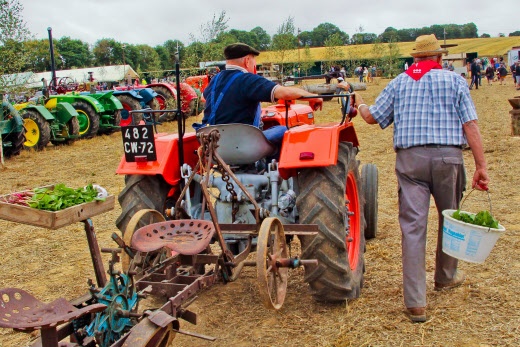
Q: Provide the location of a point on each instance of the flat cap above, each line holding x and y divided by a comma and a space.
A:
239, 50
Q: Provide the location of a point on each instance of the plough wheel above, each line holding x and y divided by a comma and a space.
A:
141, 261
147, 334
272, 280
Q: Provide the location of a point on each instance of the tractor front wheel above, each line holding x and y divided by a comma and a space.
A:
38, 130
369, 176
331, 197
88, 119
130, 104
70, 132
141, 192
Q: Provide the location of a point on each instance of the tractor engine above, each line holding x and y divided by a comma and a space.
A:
275, 196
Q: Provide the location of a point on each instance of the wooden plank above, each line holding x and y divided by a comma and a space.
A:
54, 219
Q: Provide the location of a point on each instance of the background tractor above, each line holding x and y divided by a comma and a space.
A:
47, 120
11, 129
96, 112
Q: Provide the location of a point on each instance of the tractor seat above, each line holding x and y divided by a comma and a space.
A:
183, 236
241, 144
21, 311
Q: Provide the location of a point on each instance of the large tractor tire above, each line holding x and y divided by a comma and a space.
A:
38, 130
130, 104
331, 197
369, 177
17, 140
88, 119
166, 102
72, 129
141, 192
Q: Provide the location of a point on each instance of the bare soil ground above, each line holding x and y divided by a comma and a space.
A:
483, 312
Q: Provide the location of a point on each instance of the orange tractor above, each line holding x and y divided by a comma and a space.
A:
315, 190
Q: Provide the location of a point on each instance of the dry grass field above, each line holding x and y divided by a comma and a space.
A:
483, 312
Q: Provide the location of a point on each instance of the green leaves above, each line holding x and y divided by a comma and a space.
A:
61, 197
483, 218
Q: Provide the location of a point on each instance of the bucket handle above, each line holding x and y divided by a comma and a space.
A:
486, 189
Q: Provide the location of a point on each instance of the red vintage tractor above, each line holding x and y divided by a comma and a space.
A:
315, 183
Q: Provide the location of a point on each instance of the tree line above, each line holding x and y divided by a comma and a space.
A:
21, 53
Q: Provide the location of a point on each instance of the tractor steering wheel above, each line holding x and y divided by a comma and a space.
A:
346, 104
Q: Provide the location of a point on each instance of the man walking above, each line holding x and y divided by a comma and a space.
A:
433, 117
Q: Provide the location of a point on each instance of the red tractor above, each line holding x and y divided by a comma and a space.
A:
316, 183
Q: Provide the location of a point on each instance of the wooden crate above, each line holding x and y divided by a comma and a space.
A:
57, 219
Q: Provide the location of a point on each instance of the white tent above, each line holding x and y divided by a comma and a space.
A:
113, 73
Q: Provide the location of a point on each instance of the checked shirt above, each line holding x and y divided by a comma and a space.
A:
428, 111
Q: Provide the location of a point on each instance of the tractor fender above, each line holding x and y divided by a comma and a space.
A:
313, 145
15, 117
131, 92
147, 94
70, 98
167, 163
65, 111
41, 110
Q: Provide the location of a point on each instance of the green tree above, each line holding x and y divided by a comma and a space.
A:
38, 56
13, 35
262, 37
324, 31
333, 49
307, 61
389, 35
485, 35
105, 52
284, 41
73, 53
148, 59
514, 33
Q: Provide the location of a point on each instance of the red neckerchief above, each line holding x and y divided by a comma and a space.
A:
418, 70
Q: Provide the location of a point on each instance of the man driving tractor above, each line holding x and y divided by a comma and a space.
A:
234, 95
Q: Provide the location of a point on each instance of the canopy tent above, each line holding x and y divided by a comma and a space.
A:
113, 73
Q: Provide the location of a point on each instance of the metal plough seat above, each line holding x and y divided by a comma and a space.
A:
21, 311
184, 236
241, 143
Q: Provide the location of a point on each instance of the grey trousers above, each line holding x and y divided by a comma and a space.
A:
421, 172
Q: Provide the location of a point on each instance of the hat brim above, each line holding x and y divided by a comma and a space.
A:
428, 53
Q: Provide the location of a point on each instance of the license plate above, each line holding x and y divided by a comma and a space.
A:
139, 143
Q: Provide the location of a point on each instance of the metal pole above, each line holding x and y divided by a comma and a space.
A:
53, 66
180, 116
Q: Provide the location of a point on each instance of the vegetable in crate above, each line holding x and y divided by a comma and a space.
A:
483, 218
61, 197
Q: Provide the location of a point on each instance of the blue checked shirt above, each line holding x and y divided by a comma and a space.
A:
428, 111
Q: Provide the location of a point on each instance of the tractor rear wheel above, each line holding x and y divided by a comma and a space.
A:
71, 129
331, 198
141, 192
38, 130
17, 139
130, 104
166, 102
369, 176
88, 119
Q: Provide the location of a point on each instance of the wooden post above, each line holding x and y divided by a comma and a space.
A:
1, 152
515, 122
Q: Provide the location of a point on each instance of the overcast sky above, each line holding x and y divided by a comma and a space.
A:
153, 22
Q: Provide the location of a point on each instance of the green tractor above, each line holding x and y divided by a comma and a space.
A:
11, 129
47, 120
97, 112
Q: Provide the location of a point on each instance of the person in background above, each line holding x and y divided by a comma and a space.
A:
405, 65
490, 74
475, 72
428, 162
234, 94
502, 73
517, 73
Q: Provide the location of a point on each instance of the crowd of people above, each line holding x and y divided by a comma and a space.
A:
495, 70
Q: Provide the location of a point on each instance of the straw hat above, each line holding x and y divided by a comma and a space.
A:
427, 45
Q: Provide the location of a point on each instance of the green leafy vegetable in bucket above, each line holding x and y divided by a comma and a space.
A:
483, 218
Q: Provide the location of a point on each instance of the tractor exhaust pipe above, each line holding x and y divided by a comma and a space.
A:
53, 64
